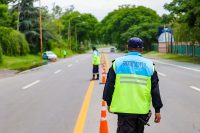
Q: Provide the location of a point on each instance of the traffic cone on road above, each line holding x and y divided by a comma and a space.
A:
103, 121
103, 78
104, 70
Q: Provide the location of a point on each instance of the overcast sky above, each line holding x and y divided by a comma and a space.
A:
100, 8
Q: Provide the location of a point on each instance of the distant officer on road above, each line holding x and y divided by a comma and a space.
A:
64, 53
95, 63
132, 83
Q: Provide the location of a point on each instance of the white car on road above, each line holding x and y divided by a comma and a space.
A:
49, 55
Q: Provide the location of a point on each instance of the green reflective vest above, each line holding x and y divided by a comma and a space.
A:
96, 58
132, 92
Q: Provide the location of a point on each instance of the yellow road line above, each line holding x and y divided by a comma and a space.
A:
83, 113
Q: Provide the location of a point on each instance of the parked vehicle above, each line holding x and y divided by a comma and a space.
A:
49, 55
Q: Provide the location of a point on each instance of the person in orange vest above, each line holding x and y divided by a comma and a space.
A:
131, 86
95, 63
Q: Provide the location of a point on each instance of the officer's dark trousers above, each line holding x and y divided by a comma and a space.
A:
95, 69
130, 124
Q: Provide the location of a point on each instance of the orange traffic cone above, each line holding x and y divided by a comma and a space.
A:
104, 70
103, 78
103, 121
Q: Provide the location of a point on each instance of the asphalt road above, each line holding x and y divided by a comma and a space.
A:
49, 99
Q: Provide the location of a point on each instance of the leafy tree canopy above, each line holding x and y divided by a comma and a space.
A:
82, 25
126, 21
4, 15
13, 42
185, 19
7, 1
186, 11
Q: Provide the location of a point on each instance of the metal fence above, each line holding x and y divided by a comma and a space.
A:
190, 50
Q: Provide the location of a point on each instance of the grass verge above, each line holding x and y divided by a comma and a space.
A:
179, 58
21, 63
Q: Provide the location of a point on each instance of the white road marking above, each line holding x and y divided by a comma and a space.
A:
26, 87
56, 72
162, 74
69, 65
197, 70
195, 88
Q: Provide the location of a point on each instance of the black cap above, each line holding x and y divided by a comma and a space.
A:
135, 42
94, 48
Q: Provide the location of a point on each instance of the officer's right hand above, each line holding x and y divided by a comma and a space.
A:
157, 117
109, 109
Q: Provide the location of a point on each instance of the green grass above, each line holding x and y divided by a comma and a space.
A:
21, 62
180, 58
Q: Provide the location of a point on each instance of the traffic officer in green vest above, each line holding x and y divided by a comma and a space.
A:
131, 86
95, 63
64, 53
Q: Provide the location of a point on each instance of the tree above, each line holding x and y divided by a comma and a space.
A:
7, 1
4, 15
56, 11
13, 42
79, 29
54, 27
146, 31
167, 18
186, 13
129, 21
29, 23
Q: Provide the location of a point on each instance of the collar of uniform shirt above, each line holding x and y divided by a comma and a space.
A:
134, 53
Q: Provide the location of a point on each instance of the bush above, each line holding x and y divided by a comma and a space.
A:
13, 42
1, 58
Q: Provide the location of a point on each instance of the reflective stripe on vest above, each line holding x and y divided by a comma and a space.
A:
133, 85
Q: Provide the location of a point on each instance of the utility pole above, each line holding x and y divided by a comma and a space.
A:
69, 35
41, 50
166, 39
18, 15
76, 37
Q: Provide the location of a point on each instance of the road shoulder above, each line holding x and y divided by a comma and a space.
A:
7, 73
